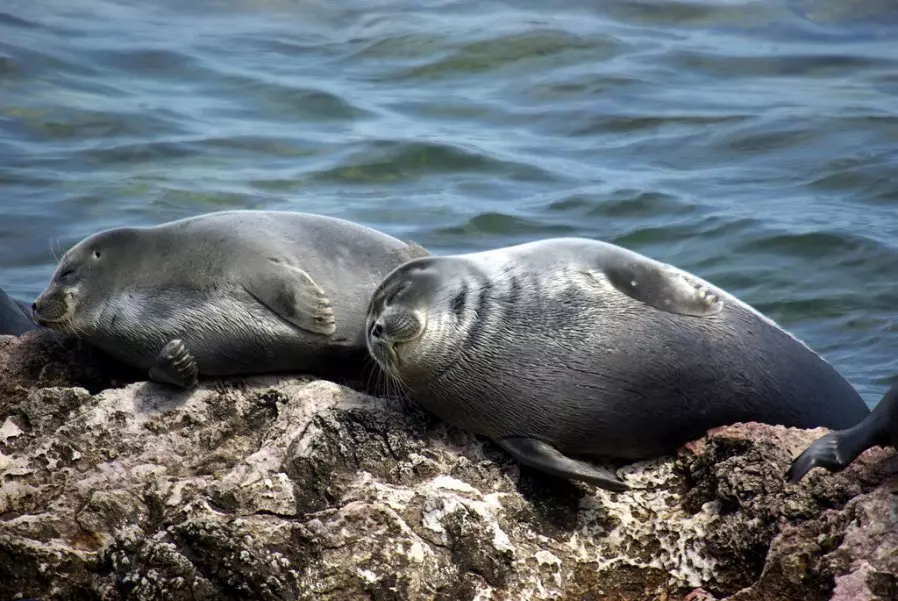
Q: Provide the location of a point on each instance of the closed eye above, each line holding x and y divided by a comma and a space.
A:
405, 286
66, 273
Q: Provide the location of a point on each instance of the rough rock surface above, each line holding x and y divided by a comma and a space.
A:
289, 488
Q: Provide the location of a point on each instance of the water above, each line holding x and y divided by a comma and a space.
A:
752, 142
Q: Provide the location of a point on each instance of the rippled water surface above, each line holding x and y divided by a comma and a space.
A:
752, 142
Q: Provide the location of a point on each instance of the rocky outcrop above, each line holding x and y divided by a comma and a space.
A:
291, 488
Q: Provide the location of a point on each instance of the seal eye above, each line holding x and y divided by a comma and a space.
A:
399, 290
96, 254
66, 273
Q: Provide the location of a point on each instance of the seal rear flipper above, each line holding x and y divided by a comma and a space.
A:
546, 458
833, 451
175, 365
293, 295
836, 450
660, 286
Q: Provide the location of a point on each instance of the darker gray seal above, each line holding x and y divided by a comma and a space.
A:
226, 293
836, 450
15, 316
571, 346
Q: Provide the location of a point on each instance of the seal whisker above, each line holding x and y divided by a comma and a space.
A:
375, 373
389, 386
368, 373
403, 387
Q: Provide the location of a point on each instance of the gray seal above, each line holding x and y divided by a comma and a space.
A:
15, 316
224, 294
570, 346
835, 451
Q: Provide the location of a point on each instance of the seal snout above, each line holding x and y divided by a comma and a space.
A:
51, 307
380, 345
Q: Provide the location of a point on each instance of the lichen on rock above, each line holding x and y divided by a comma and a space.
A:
293, 488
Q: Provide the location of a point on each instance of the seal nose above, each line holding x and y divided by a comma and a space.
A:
34, 307
377, 330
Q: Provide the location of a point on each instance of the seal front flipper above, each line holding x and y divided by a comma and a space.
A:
175, 365
660, 286
546, 458
293, 295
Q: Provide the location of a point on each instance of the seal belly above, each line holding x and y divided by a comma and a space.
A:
672, 378
635, 382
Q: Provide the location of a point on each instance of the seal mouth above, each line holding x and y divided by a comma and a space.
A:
51, 312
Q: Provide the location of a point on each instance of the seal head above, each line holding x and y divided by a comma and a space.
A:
81, 285
424, 296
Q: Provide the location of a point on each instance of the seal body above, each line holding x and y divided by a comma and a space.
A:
15, 316
574, 346
226, 293
835, 451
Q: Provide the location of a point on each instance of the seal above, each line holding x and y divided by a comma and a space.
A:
15, 316
835, 451
225, 293
570, 346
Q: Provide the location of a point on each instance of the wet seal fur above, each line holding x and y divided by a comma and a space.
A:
835, 451
15, 316
571, 346
226, 293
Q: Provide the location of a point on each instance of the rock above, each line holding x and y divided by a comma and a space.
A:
292, 488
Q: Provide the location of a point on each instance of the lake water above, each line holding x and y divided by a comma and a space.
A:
752, 142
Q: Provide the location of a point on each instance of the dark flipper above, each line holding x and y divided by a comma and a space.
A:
656, 284
836, 450
175, 365
546, 458
292, 294
833, 451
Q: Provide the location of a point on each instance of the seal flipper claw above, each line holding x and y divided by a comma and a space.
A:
823, 452
662, 287
836, 450
175, 365
293, 295
546, 458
